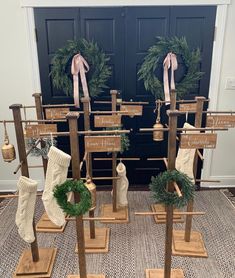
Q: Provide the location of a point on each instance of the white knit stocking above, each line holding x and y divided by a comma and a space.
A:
122, 185
185, 158
57, 170
26, 204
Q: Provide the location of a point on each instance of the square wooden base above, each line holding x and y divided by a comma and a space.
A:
159, 273
100, 244
121, 216
88, 276
45, 225
159, 219
194, 248
42, 268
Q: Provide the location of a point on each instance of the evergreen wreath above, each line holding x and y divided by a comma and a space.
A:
39, 151
159, 184
155, 56
97, 76
60, 193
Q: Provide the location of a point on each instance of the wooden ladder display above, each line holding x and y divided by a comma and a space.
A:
121, 214
167, 272
96, 238
192, 107
187, 242
37, 262
45, 224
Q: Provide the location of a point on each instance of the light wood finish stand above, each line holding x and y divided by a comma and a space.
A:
159, 273
99, 244
43, 268
45, 225
121, 215
160, 219
194, 248
88, 276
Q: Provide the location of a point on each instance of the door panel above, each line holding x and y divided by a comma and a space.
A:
197, 25
125, 34
54, 28
106, 27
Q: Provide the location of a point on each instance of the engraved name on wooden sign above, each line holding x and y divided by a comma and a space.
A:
33, 131
103, 143
225, 121
56, 113
108, 121
132, 110
188, 107
198, 141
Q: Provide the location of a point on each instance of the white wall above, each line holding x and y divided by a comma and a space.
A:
15, 79
16, 86
223, 163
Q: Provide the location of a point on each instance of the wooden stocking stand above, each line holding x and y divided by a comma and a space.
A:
187, 242
121, 214
74, 145
96, 238
35, 262
161, 219
167, 272
44, 224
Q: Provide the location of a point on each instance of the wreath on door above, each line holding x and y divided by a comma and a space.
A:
97, 76
157, 53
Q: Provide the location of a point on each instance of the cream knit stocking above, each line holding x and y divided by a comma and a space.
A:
185, 158
122, 185
57, 170
26, 204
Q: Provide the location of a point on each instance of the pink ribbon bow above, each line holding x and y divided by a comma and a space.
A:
170, 61
79, 65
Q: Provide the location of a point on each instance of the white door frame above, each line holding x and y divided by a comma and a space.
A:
221, 16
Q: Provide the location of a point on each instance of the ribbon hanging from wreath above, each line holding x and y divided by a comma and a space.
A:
79, 66
157, 53
170, 61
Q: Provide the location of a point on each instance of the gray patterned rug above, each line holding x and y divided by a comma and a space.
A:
134, 246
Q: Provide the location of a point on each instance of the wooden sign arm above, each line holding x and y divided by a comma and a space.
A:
150, 213
177, 189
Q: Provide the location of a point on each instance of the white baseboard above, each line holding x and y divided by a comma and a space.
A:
225, 182
10, 185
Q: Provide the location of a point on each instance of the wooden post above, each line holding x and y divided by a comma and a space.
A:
198, 123
114, 155
169, 210
39, 112
173, 100
24, 166
86, 102
74, 146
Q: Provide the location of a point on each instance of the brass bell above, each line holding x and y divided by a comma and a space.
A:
92, 188
8, 152
157, 134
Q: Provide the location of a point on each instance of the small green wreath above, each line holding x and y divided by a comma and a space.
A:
159, 184
60, 193
154, 58
97, 76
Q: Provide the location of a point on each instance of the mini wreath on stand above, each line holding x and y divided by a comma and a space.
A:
157, 53
60, 193
42, 151
159, 187
97, 76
